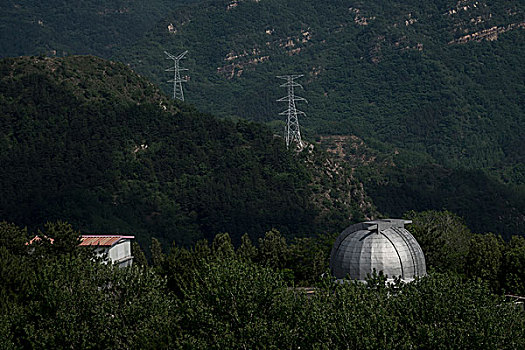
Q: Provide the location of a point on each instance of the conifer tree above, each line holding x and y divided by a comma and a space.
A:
514, 267
485, 258
273, 250
139, 258
157, 256
222, 246
247, 251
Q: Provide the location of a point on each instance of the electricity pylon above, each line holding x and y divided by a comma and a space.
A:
292, 131
178, 93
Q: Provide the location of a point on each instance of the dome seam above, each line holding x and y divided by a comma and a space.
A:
410, 248
397, 252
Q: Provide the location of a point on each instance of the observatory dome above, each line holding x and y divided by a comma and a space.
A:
384, 245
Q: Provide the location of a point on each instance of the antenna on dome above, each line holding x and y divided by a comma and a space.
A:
177, 81
292, 131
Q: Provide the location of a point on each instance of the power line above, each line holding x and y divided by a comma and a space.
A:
178, 93
292, 132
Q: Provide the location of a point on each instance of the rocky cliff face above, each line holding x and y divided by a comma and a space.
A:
335, 189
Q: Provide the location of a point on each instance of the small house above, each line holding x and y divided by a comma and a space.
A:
117, 248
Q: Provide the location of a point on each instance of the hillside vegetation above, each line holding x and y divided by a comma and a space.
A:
399, 181
89, 141
433, 91
441, 78
57, 27
436, 88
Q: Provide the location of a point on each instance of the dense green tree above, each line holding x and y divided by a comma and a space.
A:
444, 238
514, 266
247, 251
342, 314
157, 255
65, 239
13, 238
485, 257
222, 246
64, 300
58, 298
443, 312
308, 259
84, 310
273, 250
15, 278
231, 304
139, 258
202, 250
181, 265
8, 341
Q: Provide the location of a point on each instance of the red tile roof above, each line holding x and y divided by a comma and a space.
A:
101, 240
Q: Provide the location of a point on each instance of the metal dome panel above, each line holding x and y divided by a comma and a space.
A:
383, 245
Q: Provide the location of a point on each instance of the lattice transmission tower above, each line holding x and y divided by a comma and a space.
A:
177, 81
292, 132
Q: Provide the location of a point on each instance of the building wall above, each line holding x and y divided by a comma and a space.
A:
121, 252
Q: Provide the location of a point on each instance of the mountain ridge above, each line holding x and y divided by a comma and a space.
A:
431, 88
91, 142
394, 78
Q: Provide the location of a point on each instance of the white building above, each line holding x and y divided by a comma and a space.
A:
117, 248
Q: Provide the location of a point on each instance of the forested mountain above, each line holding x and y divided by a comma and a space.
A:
57, 27
89, 141
442, 78
419, 103
434, 91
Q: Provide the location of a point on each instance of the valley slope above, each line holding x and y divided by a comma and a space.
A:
434, 91
442, 78
91, 142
